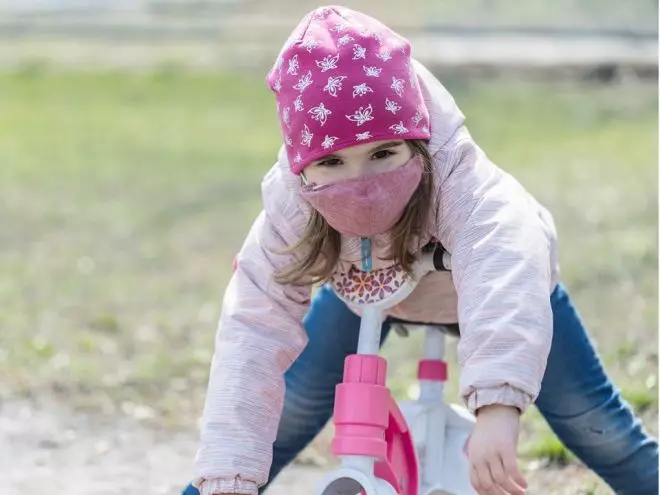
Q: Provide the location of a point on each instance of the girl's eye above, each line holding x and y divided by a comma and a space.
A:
380, 155
330, 162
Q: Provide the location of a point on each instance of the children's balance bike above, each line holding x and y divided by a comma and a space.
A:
388, 448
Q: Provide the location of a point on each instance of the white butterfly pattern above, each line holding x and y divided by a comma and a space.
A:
345, 40
392, 106
417, 118
289, 141
328, 63
293, 66
397, 85
339, 27
334, 85
322, 12
304, 82
310, 44
359, 52
361, 136
306, 139
385, 55
361, 115
297, 158
277, 85
378, 38
328, 142
371, 71
398, 128
298, 104
361, 90
286, 117
320, 114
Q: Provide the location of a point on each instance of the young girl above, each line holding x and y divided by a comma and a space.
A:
376, 163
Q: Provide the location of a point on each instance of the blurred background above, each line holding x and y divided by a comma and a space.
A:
133, 138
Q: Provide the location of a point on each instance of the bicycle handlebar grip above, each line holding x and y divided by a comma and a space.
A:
361, 413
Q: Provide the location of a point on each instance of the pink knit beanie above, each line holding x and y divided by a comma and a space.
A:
342, 79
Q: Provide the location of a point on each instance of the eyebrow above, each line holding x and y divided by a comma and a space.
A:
380, 147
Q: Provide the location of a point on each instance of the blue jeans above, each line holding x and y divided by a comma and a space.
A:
577, 399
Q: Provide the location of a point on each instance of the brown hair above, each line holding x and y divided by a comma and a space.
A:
320, 245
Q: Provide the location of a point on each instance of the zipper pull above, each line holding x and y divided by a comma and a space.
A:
365, 253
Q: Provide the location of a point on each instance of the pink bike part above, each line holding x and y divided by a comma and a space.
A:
361, 408
368, 422
400, 469
434, 370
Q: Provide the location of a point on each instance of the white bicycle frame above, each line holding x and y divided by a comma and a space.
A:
440, 431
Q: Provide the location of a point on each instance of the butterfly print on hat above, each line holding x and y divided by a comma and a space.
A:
362, 115
385, 55
399, 128
372, 71
339, 27
397, 86
310, 44
319, 114
286, 117
417, 118
307, 135
322, 12
293, 66
345, 40
359, 52
334, 85
328, 63
304, 82
328, 142
392, 106
298, 104
361, 90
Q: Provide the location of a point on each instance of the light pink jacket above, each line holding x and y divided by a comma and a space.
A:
504, 268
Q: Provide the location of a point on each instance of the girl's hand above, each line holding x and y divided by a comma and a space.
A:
492, 452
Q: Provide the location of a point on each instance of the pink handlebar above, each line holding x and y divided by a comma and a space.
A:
362, 407
368, 423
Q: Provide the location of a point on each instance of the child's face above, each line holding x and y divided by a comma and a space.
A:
358, 161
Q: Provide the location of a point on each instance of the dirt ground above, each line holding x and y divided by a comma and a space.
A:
48, 449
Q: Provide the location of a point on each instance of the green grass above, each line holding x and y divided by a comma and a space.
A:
549, 448
123, 198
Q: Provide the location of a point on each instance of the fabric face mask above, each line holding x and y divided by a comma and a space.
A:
367, 205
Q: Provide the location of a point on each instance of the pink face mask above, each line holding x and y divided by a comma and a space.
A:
368, 205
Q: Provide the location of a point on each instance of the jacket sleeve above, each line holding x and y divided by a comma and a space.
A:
502, 272
259, 336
